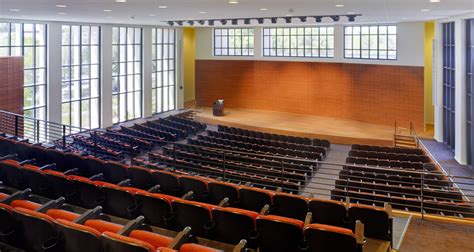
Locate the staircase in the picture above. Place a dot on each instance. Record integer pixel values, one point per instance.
(404, 137)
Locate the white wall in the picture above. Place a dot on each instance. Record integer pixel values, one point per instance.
(410, 47)
(460, 152)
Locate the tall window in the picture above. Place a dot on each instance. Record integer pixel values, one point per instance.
(313, 42)
(233, 42)
(126, 73)
(163, 70)
(469, 90)
(28, 40)
(81, 76)
(449, 84)
(370, 42)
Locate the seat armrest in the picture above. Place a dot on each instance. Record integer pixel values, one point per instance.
(16, 196)
(181, 238)
(51, 204)
(308, 219)
(154, 189)
(224, 202)
(125, 182)
(188, 195)
(89, 214)
(241, 247)
(132, 225)
(265, 210)
(11, 156)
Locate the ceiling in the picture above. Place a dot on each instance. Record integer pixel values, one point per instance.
(148, 12)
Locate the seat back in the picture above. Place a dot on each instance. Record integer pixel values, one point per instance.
(197, 185)
(377, 222)
(90, 194)
(141, 177)
(11, 174)
(242, 223)
(36, 180)
(33, 230)
(328, 212)
(195, 215)
(320, 238)
(279, 234)
(5, 218)
(290, 206)
(169, 182)
(62, 186)
(119, 202)
(76, 238)
(218, 191)
(114, 172)
(118, 243)
(155, 208)
(254, 199)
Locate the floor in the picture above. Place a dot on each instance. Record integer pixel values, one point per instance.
(438, 236)
(333, 129)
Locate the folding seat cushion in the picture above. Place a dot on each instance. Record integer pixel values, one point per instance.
(327, 212)
(76, 237)
(279, 234)
(321, 238)
(220, 190)
(26, 204)
(195, 184)
(377, 222)
(141, 177)
(33, 231)
(119, 243)
(103, 226)
(192, 247)
(290, 206)
(230, 225)
(119, 201)
(254, 199)
(62, 214)
(156, 240)
(11, 174)
(156, 208)
(192, 214)
(168, 181)
(114, 172)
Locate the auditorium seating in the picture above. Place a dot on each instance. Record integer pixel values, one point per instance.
(141, 202)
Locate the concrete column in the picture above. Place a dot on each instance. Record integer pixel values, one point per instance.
(106, 91)
(146, 74)
(438, 82)
(54, 72)
(179, 69)
(460, 153)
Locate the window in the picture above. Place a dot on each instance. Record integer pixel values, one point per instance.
(163, 70)
(449, 72)
(126, 73)
(370, 42)
(313, 42)
(81, 76)
(28, 40)
(233, 42)
(469, 90)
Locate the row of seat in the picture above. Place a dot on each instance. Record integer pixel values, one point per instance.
(260, 141)
(190, 129)
(274, 137)
(387, 149)
(390, 156)
(181, 118)
(48, 227)
(178, 132)
(405, 165)
(86, 145)
(170, 137)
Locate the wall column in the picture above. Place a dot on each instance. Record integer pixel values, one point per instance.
(106, 71)
(438, 83)
(54, 72)
(460, 153)
(147, 61)
(180, 68)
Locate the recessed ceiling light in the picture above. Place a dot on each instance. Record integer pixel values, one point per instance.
(109, 17)
(107, 10)
(14, 10)
(120, 1)
(61, 6)
(233, 2)
(162, 6)
(435, 1)
(289, 15)
(202, 12)
(263, 9)
(351, 13)
(62, 13)
(339, 5)
(151, 15)
(425, 10)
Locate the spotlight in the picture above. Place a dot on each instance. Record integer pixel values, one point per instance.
(223, 21)
(191, 22)
(288, 20)
(351, 18)
(179, 23)
(302, 19)
(318, 19)
(235, 21)
(170, 23)
(335, 18)
(247, 21)
(260, 20)
(274, 20)
(211, 22)
(201, 22)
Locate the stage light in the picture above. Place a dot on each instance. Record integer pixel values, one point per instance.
(335, 18)
(179, 23)
(223, 21)
(260, 20)
(247, 21)
(351, 18)
(235, 21)
(318, 19)
(170, 23)
(288, 20)
(201, 22)
(211, 22)
(191, 22)
(302, 19)
(274, 20)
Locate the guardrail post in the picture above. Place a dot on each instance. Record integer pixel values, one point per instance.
(16, 125)
(282, 171)
(37, 131)
(131, 153)
(224, 166)
(64, 136)
(422, 195)
(174, 156)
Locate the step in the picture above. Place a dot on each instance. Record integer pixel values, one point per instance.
(405, 136)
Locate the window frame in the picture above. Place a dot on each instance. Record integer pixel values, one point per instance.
(250, 49)
(344, 49)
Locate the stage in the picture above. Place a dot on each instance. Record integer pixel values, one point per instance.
(340, 131)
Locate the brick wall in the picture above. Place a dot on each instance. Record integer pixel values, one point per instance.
(377, 94)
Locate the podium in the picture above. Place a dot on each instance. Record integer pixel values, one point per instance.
(218, 108)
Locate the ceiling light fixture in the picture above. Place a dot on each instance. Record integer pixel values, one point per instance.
(247, 21)
(163, 7)
(235, 21)
(170, 23)
(233, 2)
(303, 19)
(274, 20)
(152, 15)
(107, 10)
(120, 1)
(202, 12)
(179, 23)
(61, 5)
(351, 18)
(425, 10)
(335, 18)
(14, 10)
(211, 22)
(62, 13)
(201, 22)
(263, 9)
(318, 19)
(191, 22)
(288, 20)
(435, 1)
(260, 20)
(339, 5)
(223, 21)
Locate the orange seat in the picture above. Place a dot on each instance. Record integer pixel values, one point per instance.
(192, 247)
(25, 204)
(103, 226)
(62, 214)
(153, 239)
(119, 243)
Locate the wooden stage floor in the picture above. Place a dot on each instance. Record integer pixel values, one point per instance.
(336, 130)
